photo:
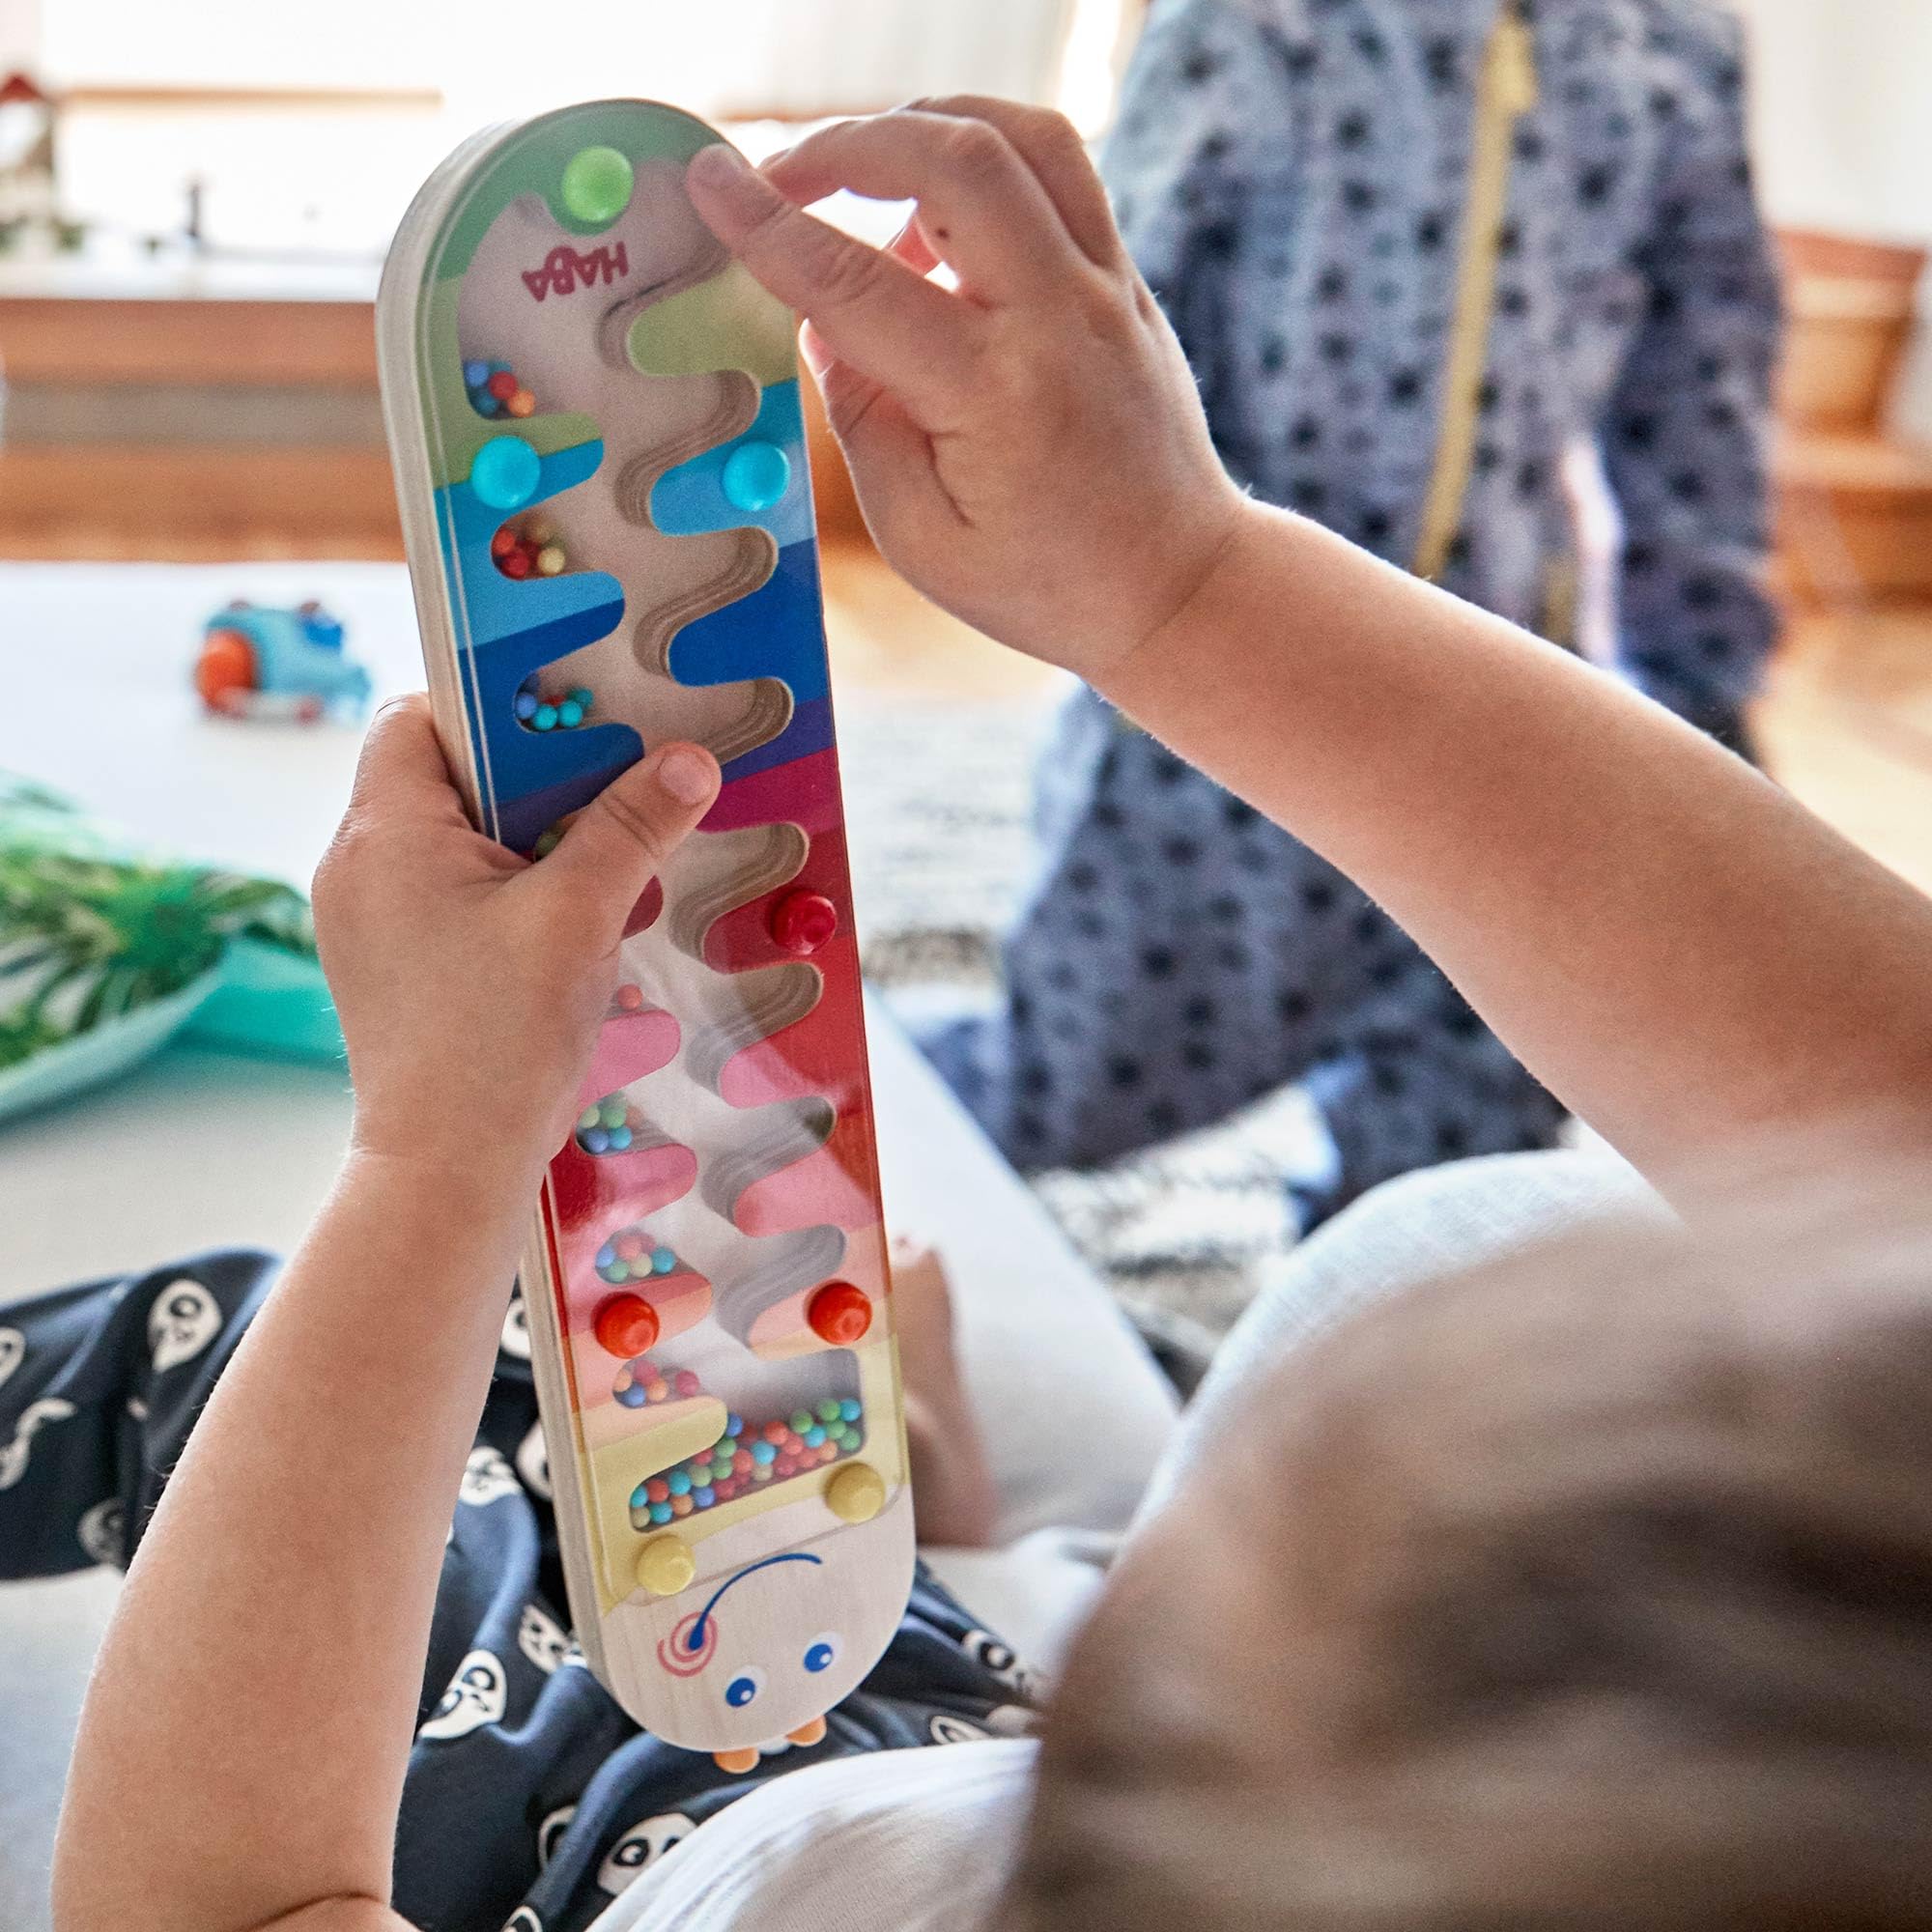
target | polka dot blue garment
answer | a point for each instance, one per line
(1290, 176)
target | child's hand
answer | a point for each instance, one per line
(470, 982)
(1029, 451)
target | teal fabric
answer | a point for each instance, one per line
(108, 950)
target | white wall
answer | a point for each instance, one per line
(1843, 114)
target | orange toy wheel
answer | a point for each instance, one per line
(226, 667)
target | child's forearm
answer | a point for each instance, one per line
(245, 1737)
(1674, 945)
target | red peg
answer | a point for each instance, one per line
(627, 1325)
(803, 922)
(839, 1314)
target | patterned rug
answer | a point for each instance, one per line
(937, 814)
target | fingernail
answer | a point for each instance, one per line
(688, 775)
(719, 165)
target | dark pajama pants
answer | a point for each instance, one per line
(532, 1799)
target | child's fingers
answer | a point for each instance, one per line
(874, 313)
(980, 205)
(402, 770)
(1051, 146)
(890, 456)
(910, 246)
(618, 842)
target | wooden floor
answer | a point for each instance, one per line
(1846, 723)
(1847, 726)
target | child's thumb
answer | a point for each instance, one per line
(617, 843)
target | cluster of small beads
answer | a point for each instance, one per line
(642, 1383)
(494, 391)
(610, 1127)
(742, 1458)
(632, 1256)
(553, 710)
(531, 551)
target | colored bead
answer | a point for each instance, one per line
(505, 472)
(657, 1490)
(665, 1566)
(828, 1409)
(596, 1141)
(606, 1253)
(681, 1505)
(503, 542)
(516, 564)
(501, 384)
(762, 1453)
(617, 1273)
(627, 1247)
(660, 1512)
(657, 1388)
(704, 1497)
(596, 185)
(632, 1396)
(475, 374)
(785, 1466)
(800, 1421)
(851, 1408)
(857, 1494)
(761, 1472)
(814, 1436)
(828, 1452)
(583, 695)
(521, 403)
(640, 1268)
(570, 716)
(755, 476)
(629, 998)
(687, 1381)
(626, 1326)
(775, 1432)
(803, 922)
(546, 718)
(838, 1314)
(612, 1111)
(679, 1482)
(734, 1424)
(742, 1462)
(662, 1260)
(848, 1439)
(487, 405)
(620, 1140)
(546, 843)
(526, 706)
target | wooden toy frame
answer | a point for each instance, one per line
(594, 418)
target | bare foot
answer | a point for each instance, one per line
(954, 1501)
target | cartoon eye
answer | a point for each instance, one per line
(742, 1688)
(822, 1652)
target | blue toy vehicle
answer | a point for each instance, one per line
(258, 662)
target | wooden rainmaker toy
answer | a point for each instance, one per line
(594, 417)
